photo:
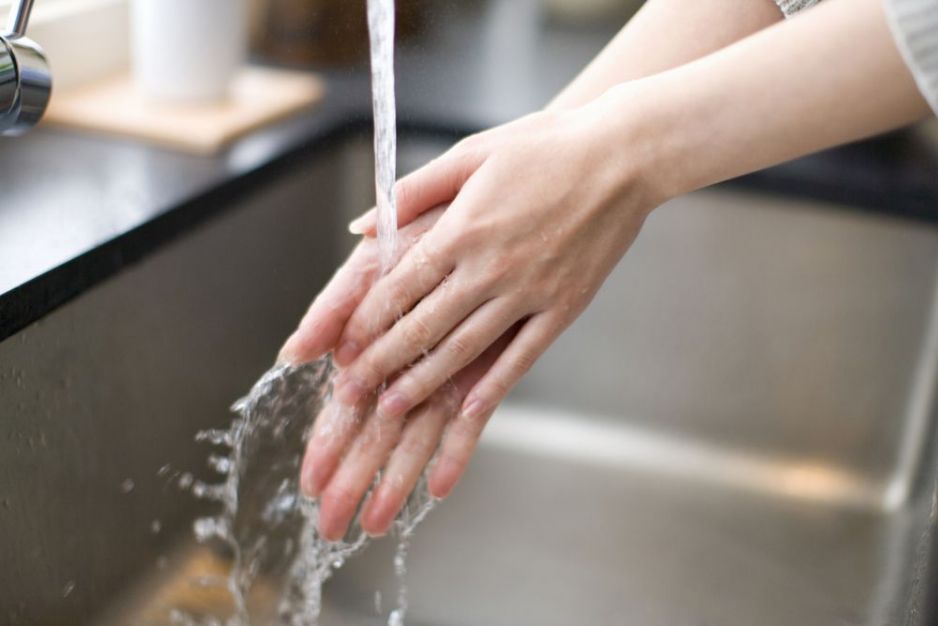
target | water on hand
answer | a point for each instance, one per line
(267, 526)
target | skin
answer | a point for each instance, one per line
(542, 208)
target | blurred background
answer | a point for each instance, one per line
(740, 430)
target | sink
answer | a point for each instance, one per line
(739, 431)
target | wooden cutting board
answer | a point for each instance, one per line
(258, 96)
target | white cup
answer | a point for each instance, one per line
(188, 50)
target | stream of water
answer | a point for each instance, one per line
(265, 524)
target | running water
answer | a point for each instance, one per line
(381, 33)
(268, 527)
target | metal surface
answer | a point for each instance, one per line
(25, 79)
(102, 393)
(739, 431)
(19, 19)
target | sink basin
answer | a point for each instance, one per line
(740, 430)
(539, 535)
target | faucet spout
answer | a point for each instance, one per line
(19, 18)
(25, 80)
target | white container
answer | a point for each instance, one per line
(187, 50)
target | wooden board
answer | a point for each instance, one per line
(258, 96)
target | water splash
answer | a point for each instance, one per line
(267, 527)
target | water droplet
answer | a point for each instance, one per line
(68, 589)
(155, 526)
(220, 464)
(185, 480)
(128, 485)
(215, 437)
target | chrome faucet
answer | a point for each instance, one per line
(25, 81)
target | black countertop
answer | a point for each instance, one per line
(76, 208)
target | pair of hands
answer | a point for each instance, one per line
(539, 212)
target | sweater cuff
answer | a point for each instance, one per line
(914, 25)
(790, 7)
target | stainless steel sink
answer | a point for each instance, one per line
(738, 432)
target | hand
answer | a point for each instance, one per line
(402, 448)
(541, 211)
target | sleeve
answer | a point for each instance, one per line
(790, 7)
(914, 25)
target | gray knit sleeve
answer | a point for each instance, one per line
(914, 25)
(790, 7)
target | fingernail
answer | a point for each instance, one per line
(288, 353)
(346, 353)
(393, 405)
(360, 224)
(349, 391)
(472, 409)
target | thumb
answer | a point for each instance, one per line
(434, 184)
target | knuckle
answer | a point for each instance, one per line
(500, 266)
(398, 299)
(500, 388)
(417, 332)
(434, 250)
(405, 190)
(458, 348)
(370, 371)
(524, 362)
(419, 446)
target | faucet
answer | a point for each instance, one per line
(25, 80)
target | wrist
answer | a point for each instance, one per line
(641, 142)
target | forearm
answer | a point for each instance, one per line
(830, 76)
(665, 34)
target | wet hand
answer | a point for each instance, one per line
(541, 210)
(347, 449)
(359, 438)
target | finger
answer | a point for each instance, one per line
(434, 184)
(355, 474)
(417, 274)
(410, 337)
(420, 437)
(334, 429)
(463, 432)
(459, 348)
(323, 323)
(364, 222)
(419, 441)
